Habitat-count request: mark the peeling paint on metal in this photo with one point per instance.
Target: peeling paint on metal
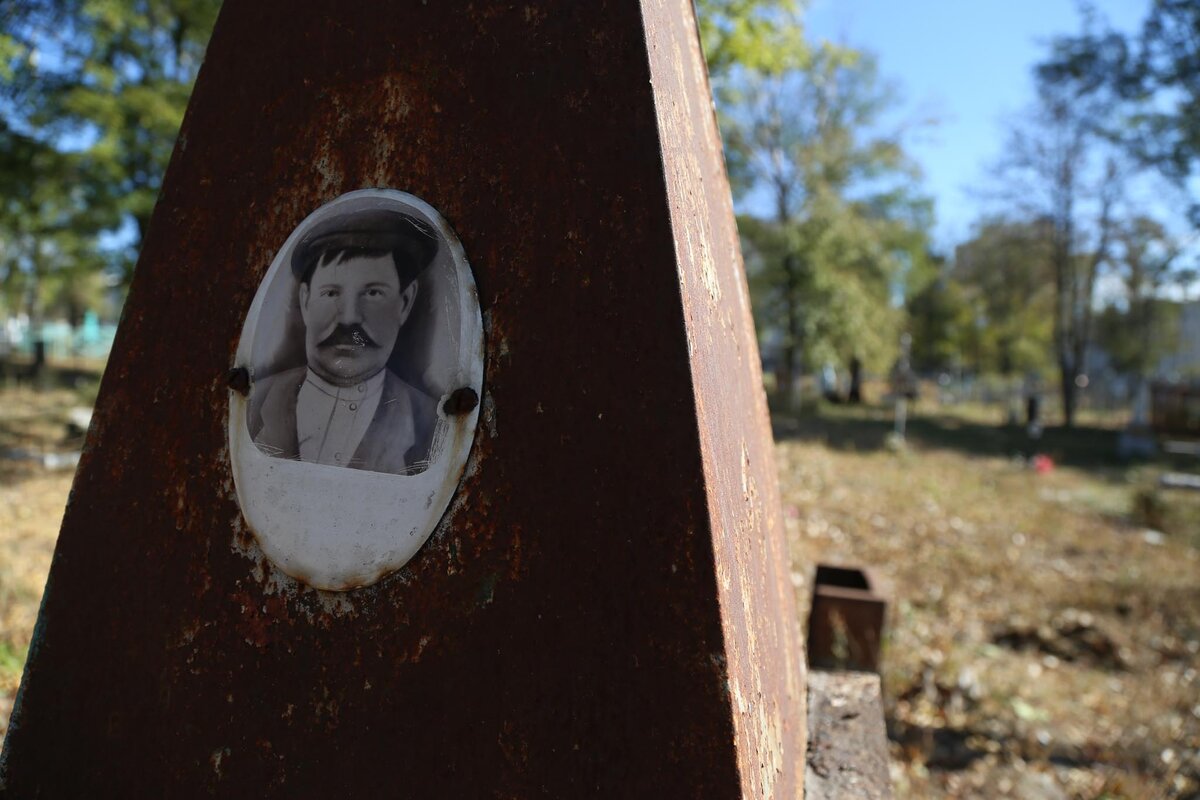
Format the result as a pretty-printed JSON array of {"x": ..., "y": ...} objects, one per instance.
[{"x": 762, "y": 636}]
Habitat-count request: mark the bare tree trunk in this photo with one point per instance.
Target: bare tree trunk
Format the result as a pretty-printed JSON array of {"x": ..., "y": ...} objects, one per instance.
[
  {"x": 786, "y": 377},
  {"x": 37, "y": 318},
  {"x": 792, "y": 335},
  {"x": 1068, "y": 393},
  {"x": 1062, "y": 327},
  {"x": 792, "y": 345}
]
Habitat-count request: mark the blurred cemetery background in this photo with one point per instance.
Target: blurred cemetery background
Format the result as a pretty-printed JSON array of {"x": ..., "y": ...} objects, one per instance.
[{"x": 979, "y": 325}]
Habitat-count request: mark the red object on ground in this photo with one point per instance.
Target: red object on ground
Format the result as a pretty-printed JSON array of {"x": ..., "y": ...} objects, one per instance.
[{"x": 1043, "y": 464}]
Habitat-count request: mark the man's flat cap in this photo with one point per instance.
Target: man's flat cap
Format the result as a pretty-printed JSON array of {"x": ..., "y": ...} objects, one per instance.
[{"x": 410, "y": 240}]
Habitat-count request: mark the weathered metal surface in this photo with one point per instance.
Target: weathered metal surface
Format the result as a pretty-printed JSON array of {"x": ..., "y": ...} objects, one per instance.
[
  {"x": 763, "y": 641},
  {"x": 845, "y": 622},
  {"x": 847, "y": 738},
  {"x": 604, "y": 610}
]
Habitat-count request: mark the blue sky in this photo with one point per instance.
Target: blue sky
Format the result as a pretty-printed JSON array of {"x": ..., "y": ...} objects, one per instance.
[{"x": 968, "y": 64}]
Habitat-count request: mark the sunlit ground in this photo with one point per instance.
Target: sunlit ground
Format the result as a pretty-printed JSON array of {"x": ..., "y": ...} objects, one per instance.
[
  {"x": 36, "y": 443},
  {"x": 1044, "y": 634},
  {"x": 1044, "y": 639}
]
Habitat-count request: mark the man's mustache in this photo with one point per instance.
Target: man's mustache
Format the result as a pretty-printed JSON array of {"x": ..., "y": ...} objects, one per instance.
[{"x": 352, "y": 335}]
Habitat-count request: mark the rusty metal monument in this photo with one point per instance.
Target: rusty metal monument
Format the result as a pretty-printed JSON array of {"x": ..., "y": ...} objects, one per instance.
[{"x": 604, "y": 609}]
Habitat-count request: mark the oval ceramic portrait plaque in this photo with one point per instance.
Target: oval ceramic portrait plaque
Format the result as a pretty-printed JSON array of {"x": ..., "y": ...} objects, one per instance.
[{"x": 364, "y": 346}]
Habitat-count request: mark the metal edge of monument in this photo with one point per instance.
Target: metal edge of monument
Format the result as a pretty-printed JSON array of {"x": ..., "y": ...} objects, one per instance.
[{"x": 341, "y": 516}]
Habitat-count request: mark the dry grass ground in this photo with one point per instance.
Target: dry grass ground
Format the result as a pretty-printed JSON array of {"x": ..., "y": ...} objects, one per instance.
[
  {"x": 32, "y": 500},
  {"x": 1042, "y": 642}
]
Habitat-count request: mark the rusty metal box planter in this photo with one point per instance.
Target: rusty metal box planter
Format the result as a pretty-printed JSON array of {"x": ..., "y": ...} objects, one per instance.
[{"x": 845, "y": 624}]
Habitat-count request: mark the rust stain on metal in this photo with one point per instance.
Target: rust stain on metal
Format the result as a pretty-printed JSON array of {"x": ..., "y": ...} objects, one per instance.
[
  {"x": 762, "y": 639},
  {"x": 600, "y": 611}
]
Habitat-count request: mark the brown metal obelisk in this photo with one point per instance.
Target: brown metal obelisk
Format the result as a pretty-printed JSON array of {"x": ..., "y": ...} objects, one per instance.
[{"x": 605, "y": 610}]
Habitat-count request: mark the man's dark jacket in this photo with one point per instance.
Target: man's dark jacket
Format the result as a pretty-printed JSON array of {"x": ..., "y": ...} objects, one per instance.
[{"x": 398, "y": 439}]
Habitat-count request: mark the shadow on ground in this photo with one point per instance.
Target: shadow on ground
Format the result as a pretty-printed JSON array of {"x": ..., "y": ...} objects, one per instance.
[{"x": 867, "y": 428}]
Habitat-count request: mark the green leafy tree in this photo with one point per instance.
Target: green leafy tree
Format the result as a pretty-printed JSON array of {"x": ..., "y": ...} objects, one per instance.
[
  {"x": 1061, "y": 176},
  {"x": 103, "y": 85},
  {"x": 1007, "y": 276},
  {"x": 1143, "y": 328},
  {"x": 942, "y": 318},
  {"x": 1136, "y": 337},
  {"x": 759, "y": 35},
  {"x": 48, "y": 258},
  {"x": 1144, "y": 85},
  {"x": 846, "y": 227}
]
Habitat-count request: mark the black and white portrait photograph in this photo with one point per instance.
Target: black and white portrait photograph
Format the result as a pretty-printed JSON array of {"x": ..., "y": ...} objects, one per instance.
[
  {"x": 362, "y": 341},
  {"x": 351, "y": 377}
]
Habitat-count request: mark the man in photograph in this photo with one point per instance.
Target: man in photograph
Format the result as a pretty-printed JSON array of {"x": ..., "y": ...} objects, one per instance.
[{"x": 357, "y": 283}]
